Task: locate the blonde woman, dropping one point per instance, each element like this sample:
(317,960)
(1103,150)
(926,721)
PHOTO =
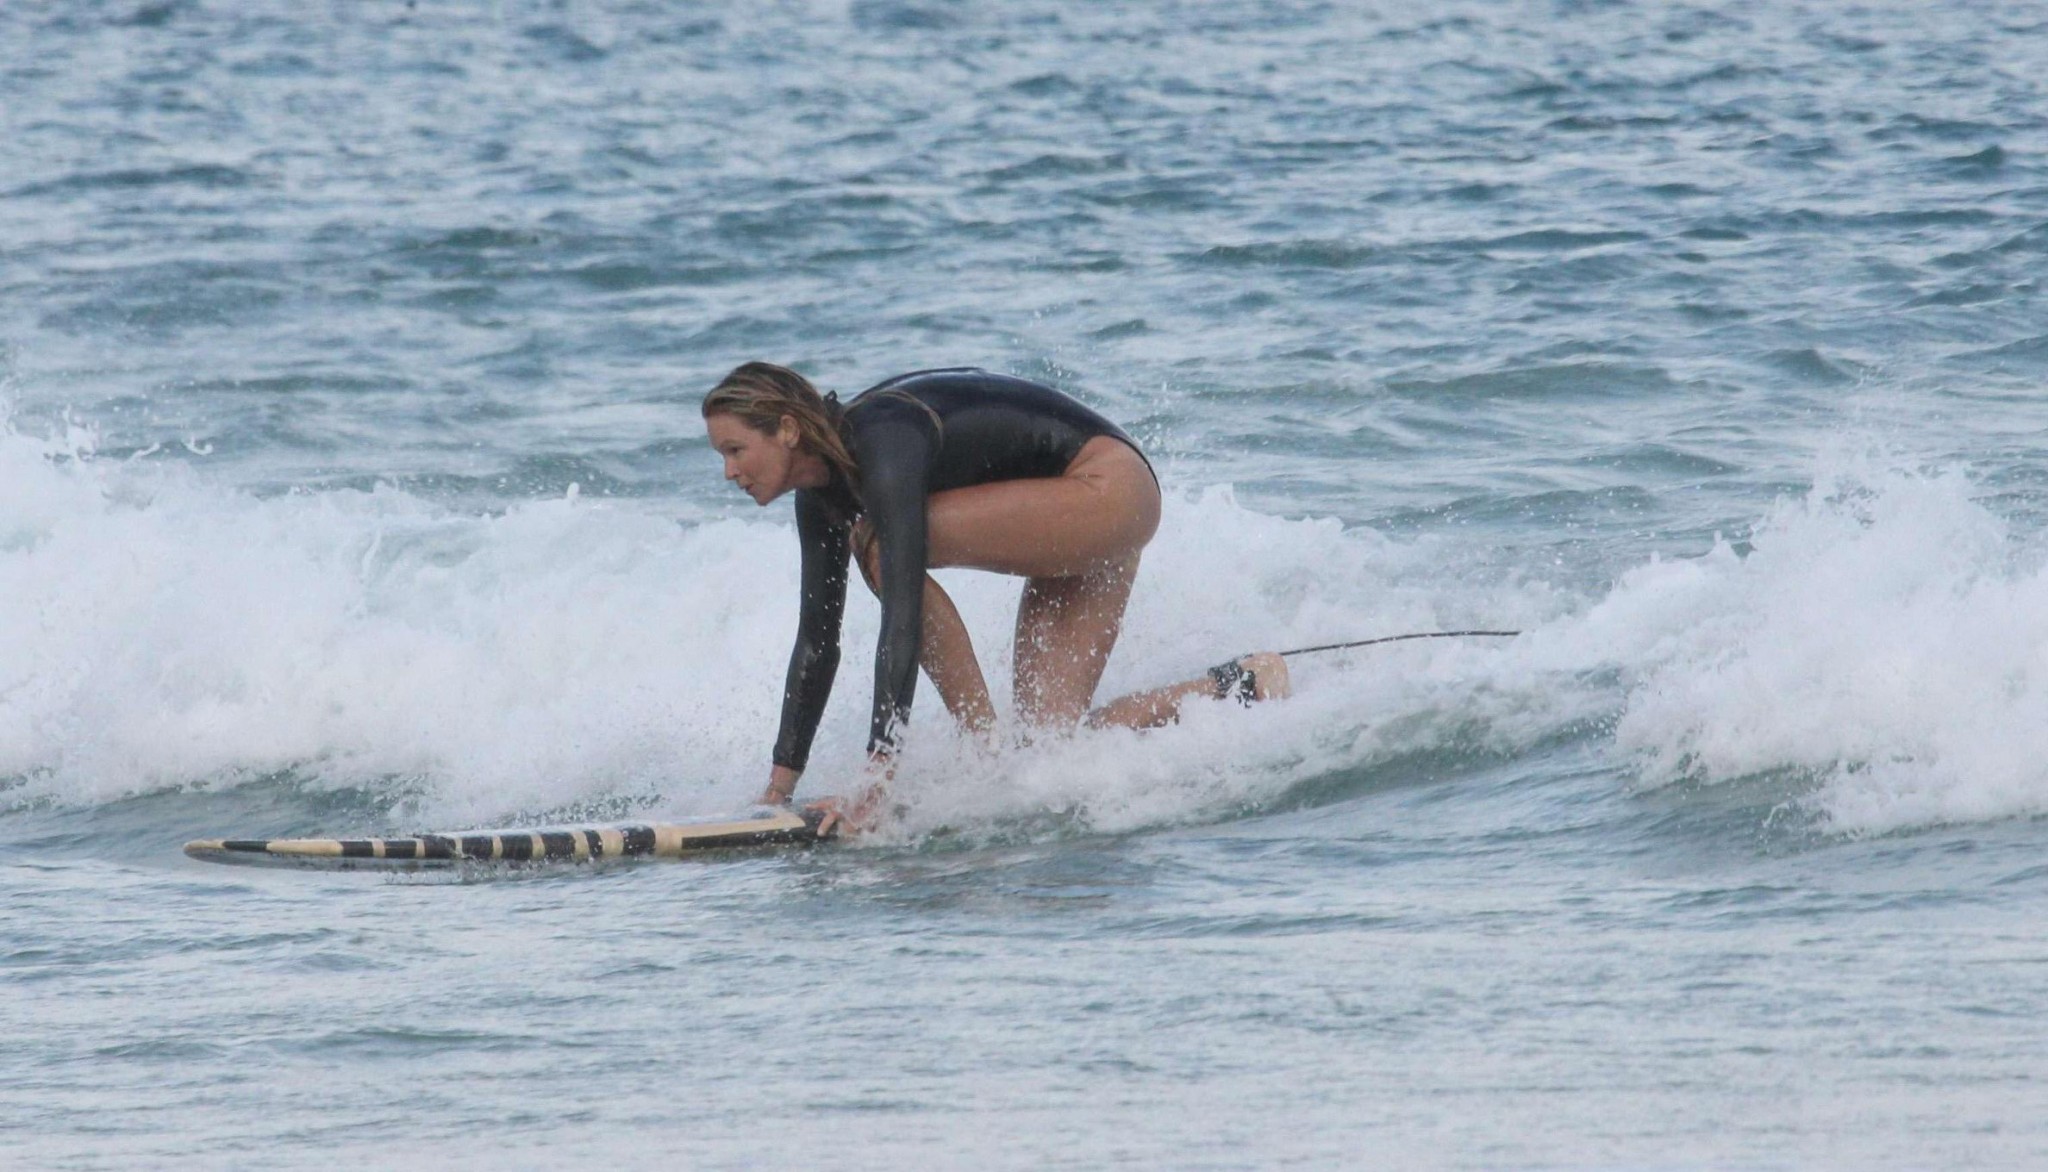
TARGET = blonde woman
(957,467)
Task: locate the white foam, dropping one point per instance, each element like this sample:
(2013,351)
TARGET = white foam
(162,631)
(1886,634)
(1221,579)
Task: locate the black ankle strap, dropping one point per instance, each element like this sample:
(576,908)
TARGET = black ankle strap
(1234,680)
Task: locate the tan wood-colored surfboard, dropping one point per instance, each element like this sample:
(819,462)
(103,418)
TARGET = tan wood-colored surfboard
(626,840)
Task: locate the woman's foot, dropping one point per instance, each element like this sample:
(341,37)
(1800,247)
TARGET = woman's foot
(1252,678)
(1247,679)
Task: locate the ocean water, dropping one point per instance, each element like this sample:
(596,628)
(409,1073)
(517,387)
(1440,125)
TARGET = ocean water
(351,481)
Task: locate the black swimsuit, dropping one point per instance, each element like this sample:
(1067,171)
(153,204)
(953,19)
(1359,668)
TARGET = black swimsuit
(937,430)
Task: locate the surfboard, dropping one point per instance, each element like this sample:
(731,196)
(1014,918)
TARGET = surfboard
(580,844)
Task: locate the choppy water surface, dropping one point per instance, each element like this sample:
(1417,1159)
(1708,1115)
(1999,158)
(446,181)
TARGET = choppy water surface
(351,481)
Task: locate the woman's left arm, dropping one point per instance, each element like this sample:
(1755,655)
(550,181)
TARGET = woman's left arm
(895,453)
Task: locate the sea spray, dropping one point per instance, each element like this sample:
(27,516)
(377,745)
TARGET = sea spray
(1885,634)
(167,631)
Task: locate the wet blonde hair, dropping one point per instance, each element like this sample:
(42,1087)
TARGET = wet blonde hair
(760,394)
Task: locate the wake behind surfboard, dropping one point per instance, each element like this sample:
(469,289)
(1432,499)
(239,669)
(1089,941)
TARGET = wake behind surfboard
(644,840)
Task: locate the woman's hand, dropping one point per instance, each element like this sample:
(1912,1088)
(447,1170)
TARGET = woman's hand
(852,815)
(781,784)
(848,816)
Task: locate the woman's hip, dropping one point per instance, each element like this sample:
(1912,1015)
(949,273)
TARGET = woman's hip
(1099,513)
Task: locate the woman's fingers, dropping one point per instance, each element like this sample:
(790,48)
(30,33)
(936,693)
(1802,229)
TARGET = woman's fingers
(848,816)
(835,818)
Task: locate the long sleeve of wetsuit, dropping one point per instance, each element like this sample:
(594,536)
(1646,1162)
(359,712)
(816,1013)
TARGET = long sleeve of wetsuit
(895,445)
(815,660)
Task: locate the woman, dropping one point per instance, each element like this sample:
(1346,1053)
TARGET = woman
(956,467)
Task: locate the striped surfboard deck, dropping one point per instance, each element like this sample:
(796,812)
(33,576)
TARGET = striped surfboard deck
(581,844)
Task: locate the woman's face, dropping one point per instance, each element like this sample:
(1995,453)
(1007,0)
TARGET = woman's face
(764,466)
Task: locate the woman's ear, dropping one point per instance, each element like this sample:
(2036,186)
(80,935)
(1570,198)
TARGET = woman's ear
(788,432)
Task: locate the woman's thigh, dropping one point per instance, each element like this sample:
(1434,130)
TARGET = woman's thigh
(1077,538)
(1066,629)
(1099,513)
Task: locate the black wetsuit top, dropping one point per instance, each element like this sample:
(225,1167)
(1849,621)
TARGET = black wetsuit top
(932,431)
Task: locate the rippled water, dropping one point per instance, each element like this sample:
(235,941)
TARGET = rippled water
(351,481)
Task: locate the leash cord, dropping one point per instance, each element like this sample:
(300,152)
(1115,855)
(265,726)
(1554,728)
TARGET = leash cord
(1401,638)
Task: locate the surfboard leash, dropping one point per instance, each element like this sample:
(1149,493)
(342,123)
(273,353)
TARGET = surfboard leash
(1400,639)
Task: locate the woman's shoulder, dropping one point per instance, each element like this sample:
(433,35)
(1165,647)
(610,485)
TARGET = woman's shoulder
(920,399)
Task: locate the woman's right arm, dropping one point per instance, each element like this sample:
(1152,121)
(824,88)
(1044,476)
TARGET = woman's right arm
(814,660)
